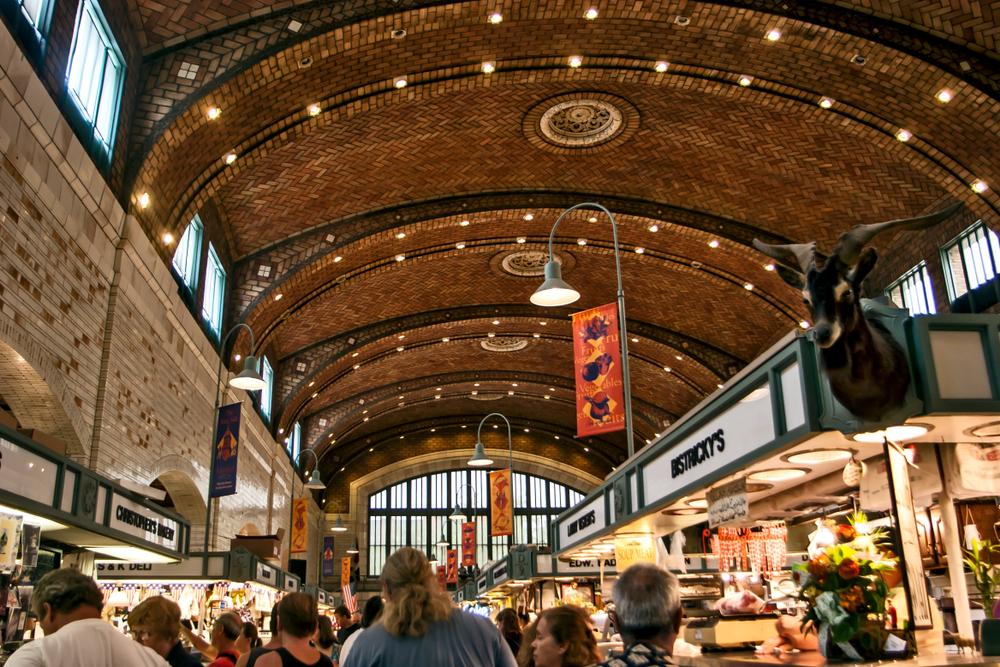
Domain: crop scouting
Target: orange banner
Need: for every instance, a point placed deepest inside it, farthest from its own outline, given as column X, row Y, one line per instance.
column 300, row 525
column 597, row 364
column 452, row 561
column 469, row 543
column 442, row 575
column 501, row 507
column 345, row 570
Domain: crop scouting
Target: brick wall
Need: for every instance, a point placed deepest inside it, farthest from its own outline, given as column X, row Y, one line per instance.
column 87, row 303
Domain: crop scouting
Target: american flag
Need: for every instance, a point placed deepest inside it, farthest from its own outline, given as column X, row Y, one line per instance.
column 350, row 599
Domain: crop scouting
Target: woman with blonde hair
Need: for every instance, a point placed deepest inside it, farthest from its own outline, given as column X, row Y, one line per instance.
column 564, row 639
column 420, row 626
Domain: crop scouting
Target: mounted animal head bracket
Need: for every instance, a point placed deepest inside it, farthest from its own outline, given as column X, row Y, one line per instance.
column 831, row 284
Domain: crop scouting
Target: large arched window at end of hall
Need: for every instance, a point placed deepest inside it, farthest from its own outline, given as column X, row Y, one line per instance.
column 415, row 513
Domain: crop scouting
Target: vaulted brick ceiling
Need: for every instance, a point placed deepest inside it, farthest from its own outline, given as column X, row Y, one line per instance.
column 453, row 172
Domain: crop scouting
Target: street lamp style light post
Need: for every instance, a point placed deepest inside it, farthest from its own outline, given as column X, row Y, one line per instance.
column 556, row 292
column 248, row 379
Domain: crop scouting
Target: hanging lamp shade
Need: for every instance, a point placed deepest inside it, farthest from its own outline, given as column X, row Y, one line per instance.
column 479, row 458
column 248, row 379
column 315, row 483
column 354, row 548
column 554, row 291
column 338, row 526
column 432, row 559
column 443, row 541
column 456, row 515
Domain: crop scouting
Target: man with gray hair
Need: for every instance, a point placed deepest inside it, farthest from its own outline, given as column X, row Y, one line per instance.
column 225, row 632
column 68, row 605
column 648, row 614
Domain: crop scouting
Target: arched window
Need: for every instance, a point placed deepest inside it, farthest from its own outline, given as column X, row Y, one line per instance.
column 415, row 513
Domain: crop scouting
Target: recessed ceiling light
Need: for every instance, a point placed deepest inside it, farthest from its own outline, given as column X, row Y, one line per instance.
column 495, row 322
column 552, row 389
column 496, row 17
column 314, row 109
column 893, row 434
column 527, row 430
column 168, row 238
column 581, row 241
column 475, row 384
column 825, row 102
column 590, row 14
column 371, row 449
column 546, row 397
column 592, row 219
column 400, row 348
column 315, row 395
column 769, row 266
column 678, row 357
column 213, row 113
column 437, row 388
column 401, row 398
column 338, row 258
column 635, row 340
column 445, row 339
column 400, row 235
column 401, row 336
column 745, row 80
column 773, row 35
column 979, row 186
column 719, row 385
column 714, row 243
column 510, row 393
column 543, row 323
column 230, row 157
column 903, row 135
column 144, row 200
column 529, row 217
column 437, row 396
column 803, row 324
column 355, row 354
column 661, row 66
column 279, row 296
column 819, row 456
column 237, row 357
column 944, row 96
column 513, row 384
column 460, row 245
column 639, row 251
column 698, row 502
column 556, row 437
column 399, row 82
column 654, row 228
column 777, row 474
column 491, row 335
column 521, row 239
column 537, row 335
column 575, row 61
column 748, row 287
column 489, row 67
column 357, row 366
column 400, row 257
column 586, row 449
column 280, row 431
column 464, row 223
column 668, row 369
column 474, row 392
column 433, row 430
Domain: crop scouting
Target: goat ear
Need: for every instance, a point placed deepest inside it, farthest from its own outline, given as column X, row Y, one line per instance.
column 793, row 278
column 864, row 266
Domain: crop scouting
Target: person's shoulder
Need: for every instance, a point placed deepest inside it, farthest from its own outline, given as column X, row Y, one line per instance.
column 28, row 655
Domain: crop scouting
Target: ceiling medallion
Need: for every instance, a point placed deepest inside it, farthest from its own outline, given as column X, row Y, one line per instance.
column 580, row 121
column 527, row 263
column 486, row 397
column 504, row 344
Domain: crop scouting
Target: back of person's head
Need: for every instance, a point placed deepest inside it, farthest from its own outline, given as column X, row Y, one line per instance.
column 647, row 602
column 373, row 609
column 65, row 591
column 159, row 616
column 508, row 623
column 326, row 636
column 342, row 610
column 272, row 623
column 526, row 655
column 250, row 632
column 570, row 627
column 415, row 598
column 230, row 624
column 297, row 615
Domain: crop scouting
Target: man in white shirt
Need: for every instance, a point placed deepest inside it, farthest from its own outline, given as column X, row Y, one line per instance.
column 68, row 605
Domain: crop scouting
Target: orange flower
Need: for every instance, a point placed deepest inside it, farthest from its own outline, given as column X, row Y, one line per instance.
column 848, row 569
column 851, row 599
column 819, row 565
column 846, row 532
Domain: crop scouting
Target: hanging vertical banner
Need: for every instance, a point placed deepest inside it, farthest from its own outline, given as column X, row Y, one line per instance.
column 300, row 525
column 30, row 538
column 345, row 571
column 442, row 574
column 597, row 367
column 452, row 561
column 225, row 451
column 469, row 543
column 329, row 566
column 501, row 507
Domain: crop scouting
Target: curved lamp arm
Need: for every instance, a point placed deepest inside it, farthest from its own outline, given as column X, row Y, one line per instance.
column 614, row 232
column 510, row 443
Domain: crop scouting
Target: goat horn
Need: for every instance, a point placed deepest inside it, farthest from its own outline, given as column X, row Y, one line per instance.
column 853, row 241
column 797, row 256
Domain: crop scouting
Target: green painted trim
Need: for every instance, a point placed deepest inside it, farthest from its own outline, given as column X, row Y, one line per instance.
column 988, row 326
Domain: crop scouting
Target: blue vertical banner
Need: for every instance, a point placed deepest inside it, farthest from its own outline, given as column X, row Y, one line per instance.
column 329, row 563
column 225, row 451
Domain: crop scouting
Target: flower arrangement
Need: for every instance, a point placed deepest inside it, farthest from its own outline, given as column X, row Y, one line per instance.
column 979, row 559
column 843, row 587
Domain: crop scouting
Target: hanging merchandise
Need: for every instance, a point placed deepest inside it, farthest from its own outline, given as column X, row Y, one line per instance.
column 761, row 549
column 10, row 535
column 675, row 558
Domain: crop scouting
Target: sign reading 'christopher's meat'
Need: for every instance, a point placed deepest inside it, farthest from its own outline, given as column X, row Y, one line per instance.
column 598, row 369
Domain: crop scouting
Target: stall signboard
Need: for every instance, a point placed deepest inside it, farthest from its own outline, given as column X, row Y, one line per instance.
column 187, row 568
column 582, row 522
column 481, row 585
column 132, row 518
column 740, row 431
column 266, row 575
column 600, row 406
column 585, row 566
column 290, row 583
column 728, row 503
column 632, row 549
column 27, row 474
column 499, row 572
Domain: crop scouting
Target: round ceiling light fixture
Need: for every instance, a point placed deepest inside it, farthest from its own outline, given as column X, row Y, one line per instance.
column 900, row 433
column 987, row 430
column 819, row 456
column 777, row 474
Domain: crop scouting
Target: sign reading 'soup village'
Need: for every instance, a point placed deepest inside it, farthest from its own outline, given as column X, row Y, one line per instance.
column 728, row 503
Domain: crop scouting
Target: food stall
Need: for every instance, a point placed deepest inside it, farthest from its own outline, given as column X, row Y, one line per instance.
column 734, row 489
column 203, row 585
column 56, row 513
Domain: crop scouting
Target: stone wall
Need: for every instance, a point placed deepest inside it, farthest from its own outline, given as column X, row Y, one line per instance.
column 88, row 305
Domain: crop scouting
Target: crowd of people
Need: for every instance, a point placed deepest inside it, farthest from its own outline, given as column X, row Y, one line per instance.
column 413, row 623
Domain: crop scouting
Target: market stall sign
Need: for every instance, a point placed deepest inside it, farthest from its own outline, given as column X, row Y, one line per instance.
column 267, row 575
column 143, row 522
column 728, row 503
column 634, row 549
column 499, row 572
column 584, row 522
column 189, row 567
column 26, row 474
column 580, row 567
